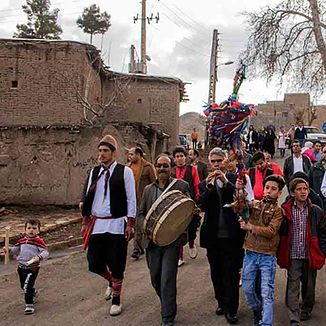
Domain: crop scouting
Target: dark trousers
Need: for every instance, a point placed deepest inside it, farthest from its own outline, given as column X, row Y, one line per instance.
column 193, row 227
column 282, row 152
column 163, row 266
column 107, row 251
column 194, row 143
column 252, row 148
column 223, row 260
column 27, row 277
column 299, row 272
column 139, row 236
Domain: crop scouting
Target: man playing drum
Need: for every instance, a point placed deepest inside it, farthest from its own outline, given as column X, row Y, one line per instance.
column 162, row 261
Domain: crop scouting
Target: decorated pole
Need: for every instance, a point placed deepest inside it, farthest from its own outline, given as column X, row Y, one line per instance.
column 7, row 229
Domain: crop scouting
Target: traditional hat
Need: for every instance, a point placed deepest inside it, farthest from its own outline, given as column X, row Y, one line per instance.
column 109, row 141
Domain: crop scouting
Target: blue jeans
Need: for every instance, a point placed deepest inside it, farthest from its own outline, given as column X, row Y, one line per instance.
column 266, row 264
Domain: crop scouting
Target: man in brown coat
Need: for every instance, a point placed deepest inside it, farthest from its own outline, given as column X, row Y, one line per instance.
column 144, row 174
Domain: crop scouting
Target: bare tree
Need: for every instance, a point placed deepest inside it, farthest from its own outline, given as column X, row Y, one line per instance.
column 287, row 41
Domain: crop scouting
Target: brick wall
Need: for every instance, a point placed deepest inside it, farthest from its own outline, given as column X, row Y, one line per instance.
column 51, row 82
column 39, row 81
column 48, row 166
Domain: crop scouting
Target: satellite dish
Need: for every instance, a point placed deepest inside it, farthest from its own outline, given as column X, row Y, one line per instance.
column 148, row 58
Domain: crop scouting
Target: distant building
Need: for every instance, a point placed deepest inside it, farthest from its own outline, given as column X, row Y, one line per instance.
column 288, row 111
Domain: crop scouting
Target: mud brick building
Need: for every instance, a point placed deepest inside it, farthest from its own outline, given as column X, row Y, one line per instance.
column 295, row 106
column 57, row 99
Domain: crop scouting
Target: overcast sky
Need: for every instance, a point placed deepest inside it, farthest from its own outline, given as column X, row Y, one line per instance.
column 179, row 45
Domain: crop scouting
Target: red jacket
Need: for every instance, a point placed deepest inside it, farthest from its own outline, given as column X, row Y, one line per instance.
column 316, row 236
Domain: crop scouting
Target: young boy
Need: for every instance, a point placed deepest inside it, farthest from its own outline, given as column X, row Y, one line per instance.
column 32, row 249
column 261, row 244
column 302, row 249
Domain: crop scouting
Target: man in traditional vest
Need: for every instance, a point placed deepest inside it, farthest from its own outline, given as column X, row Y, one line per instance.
column 109, row 209
column 145, row 174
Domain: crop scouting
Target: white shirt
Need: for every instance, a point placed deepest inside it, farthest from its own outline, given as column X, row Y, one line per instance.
column 297, row 164
column 101, row 206
column 250, row 193
column 323, row 185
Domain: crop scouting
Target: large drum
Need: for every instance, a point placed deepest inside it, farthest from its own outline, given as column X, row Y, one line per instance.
column 168, row 217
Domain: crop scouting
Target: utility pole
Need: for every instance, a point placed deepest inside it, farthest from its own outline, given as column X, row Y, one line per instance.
column 144, row 20
column 213, row 68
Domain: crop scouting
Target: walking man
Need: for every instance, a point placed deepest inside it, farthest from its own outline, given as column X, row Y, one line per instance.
column 109, row 210
column 302, row 249
column 194, row 138
column 162, row 261
column 144, row 174
column 221, row 235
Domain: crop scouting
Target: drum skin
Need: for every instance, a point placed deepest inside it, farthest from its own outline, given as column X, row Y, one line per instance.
column 168, row 217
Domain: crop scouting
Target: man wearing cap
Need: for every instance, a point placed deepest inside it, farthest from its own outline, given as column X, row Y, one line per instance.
column 109, row 209
column 302, row 249
column 162, row 261
column 144, row 173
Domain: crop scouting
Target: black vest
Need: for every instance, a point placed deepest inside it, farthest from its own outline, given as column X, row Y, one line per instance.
column 118, row 196
column 188, row 178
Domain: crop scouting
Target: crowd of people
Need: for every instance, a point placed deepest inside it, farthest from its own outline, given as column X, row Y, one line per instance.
column 243, row 228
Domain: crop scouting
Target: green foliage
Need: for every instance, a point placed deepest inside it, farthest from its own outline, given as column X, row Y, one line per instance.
column 93, row 21
column 41, row 22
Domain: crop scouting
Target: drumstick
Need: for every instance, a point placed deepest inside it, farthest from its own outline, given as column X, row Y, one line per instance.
column 7, row 244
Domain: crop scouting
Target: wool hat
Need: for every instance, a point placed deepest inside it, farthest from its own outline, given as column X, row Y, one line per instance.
column 109, row 141
column 295, row 181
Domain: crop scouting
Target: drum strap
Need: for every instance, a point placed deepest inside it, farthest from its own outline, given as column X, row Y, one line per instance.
column 168, row 187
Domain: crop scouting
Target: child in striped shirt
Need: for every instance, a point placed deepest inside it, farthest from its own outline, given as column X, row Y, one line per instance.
column 32, row 249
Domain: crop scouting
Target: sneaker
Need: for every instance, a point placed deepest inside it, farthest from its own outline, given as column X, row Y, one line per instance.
column 115, row 310
column 36, row 296
column 193, row 252
column 181, row 262
column 108, row 293
column 29, row 309
column 256, row 317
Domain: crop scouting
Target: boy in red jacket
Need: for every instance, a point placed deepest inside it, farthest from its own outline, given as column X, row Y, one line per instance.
column 302, row 249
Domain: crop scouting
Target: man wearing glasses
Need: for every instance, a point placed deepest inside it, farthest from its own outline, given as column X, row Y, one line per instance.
column 162, row 261
column 221, row 235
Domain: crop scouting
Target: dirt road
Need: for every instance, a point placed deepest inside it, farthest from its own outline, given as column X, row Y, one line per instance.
column 72, row 296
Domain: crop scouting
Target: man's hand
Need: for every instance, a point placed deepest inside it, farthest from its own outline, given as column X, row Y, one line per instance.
column 245, row 226
column 221, row 176
column 130, row 229
column 81, row 204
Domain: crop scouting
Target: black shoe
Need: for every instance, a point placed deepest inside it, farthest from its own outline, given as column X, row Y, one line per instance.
column 167, row 323
column 219, row 311
column 135, row 254
column 305, row 315
column 231, row 319
column 256, row 317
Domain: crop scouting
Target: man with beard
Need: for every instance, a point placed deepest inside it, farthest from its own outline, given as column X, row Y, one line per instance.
column 109, row 208
column 162, row 261
column 193, row 155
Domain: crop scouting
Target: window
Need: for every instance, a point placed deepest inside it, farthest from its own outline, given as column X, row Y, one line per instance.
column 14, row 83
column 139, row 101
column 285, row 114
